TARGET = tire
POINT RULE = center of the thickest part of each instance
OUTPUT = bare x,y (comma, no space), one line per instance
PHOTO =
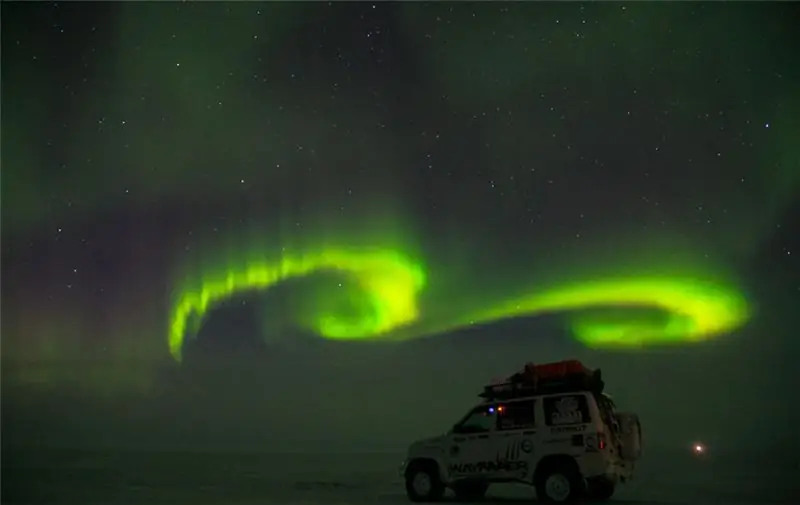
599,489
560,483
423,483
470,490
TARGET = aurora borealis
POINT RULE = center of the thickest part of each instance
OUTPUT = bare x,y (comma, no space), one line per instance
368,185
388,285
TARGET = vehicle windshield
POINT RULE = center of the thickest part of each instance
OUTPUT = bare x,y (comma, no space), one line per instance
479,420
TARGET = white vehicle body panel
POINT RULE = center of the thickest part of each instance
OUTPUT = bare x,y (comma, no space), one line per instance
568,424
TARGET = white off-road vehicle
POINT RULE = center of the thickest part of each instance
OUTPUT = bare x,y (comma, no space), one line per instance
549,426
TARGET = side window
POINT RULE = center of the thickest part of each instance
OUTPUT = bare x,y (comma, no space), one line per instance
565,410
516,415
480,420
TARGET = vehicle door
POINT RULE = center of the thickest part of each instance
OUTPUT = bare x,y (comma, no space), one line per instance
470,444
516,438
568,425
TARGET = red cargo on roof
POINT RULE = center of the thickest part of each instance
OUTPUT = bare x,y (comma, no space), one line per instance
567,375
557,369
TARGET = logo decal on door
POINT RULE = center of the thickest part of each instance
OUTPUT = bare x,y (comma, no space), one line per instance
515,449
488,467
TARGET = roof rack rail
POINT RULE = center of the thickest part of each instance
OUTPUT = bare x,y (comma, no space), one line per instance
562,377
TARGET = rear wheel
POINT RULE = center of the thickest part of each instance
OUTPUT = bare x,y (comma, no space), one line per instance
470,490
423,483
559,483
599,489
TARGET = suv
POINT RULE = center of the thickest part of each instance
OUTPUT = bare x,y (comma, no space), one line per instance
549,426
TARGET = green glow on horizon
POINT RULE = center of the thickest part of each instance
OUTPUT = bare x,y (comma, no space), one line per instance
625,311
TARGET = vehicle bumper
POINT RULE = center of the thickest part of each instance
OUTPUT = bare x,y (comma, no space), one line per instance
598,465
401,468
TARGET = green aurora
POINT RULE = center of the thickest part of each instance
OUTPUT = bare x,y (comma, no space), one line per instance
199,121
383,292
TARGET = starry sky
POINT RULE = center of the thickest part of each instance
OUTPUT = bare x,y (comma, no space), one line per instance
203,200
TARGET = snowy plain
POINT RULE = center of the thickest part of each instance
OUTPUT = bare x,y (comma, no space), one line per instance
197,478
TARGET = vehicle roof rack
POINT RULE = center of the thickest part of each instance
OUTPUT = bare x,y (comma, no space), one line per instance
552,378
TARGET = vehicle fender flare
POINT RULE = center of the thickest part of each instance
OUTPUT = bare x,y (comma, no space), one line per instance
425,462
551,461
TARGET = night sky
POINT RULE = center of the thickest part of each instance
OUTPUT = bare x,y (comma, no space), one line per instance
270,226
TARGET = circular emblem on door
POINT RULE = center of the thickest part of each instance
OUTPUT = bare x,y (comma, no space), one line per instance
526,446
454,450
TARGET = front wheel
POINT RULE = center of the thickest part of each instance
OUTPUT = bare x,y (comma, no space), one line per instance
423,483
560,484
599,489
470,490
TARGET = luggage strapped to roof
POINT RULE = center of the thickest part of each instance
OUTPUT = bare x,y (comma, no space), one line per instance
550,378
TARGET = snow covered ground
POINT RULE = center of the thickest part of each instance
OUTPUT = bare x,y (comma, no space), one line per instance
319,479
